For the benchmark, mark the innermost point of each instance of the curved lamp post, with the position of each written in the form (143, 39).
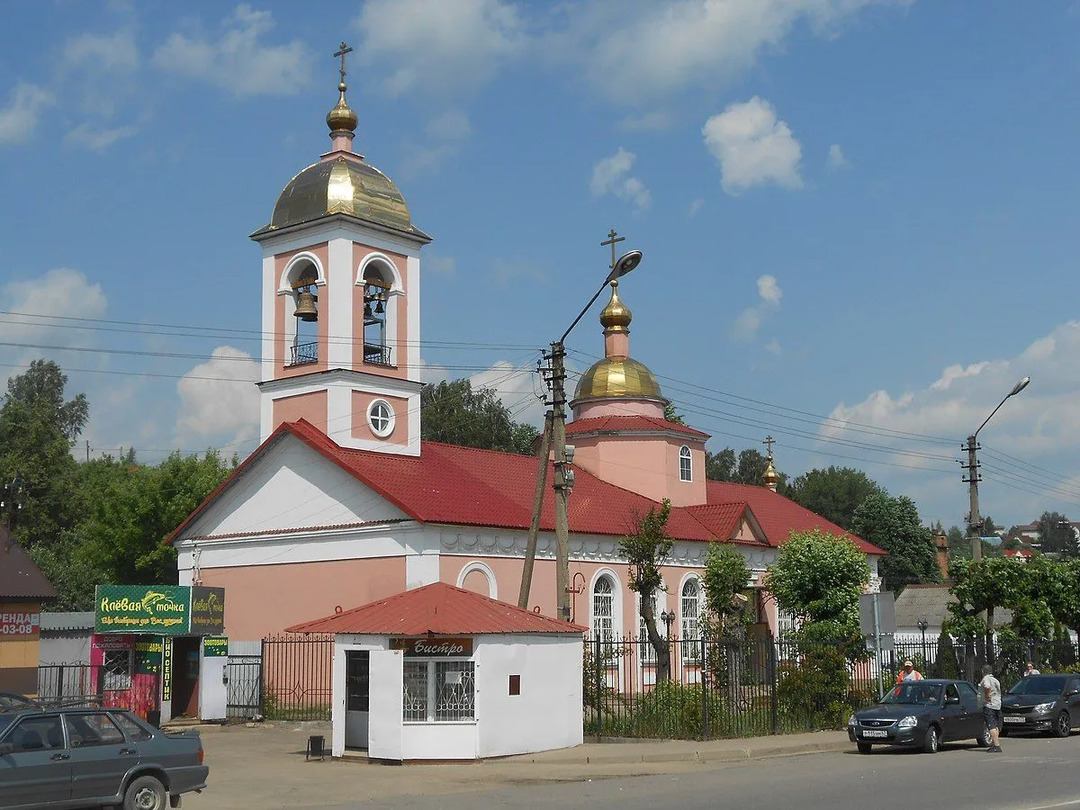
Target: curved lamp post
(974, 519)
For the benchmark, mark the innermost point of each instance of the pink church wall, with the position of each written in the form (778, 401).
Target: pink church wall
(361, 401)
(648, 466)
(311, 406)
(608, 407)
(399, 369)
(281, 261)
(264, 599)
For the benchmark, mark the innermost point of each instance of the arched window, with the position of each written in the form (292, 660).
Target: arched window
(690, 620)
(302, 333)
(685, 468)
(378, 282)
(603, 609)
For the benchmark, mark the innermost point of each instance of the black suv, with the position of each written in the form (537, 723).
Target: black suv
(1048, 703)
(75, 758)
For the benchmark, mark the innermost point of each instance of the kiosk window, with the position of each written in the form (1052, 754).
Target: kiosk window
(439, 691)
(116, 670)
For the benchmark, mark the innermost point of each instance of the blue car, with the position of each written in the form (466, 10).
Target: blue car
(77, 758)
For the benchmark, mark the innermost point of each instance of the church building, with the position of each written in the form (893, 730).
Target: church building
(342, 504)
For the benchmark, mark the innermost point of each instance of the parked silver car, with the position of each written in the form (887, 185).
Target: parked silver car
(76, 758)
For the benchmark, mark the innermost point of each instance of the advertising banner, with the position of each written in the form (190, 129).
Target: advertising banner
(215, 647)
(207, 611)
(20, 624)
(161, 610)
(434, 647)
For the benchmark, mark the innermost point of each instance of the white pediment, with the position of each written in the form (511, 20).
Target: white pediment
(291, 486)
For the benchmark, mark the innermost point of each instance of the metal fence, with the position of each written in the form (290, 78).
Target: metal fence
(69, 685)
(743, 687)
(296, 677)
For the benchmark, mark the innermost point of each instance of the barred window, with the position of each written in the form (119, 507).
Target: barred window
(690, 616)
(603, 611)
(439, 691)
(116, 670)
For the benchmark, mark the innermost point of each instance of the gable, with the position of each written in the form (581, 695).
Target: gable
(289, 486)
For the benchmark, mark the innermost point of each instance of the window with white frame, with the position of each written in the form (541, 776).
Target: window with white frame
(437, 691)
(603, 609)
(685, 467)
(381, 418)
(690, 620)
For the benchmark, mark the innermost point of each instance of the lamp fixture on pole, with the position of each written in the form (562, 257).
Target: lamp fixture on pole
(563, 475)
(974, 519)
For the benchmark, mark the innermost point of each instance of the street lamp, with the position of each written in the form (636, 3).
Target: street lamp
(667, 617)
(618, 268)
(922, 624)
(974, 520)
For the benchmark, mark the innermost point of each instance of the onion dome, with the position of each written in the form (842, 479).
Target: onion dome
(342, 118)
(615, 317)
(618, 377)
(772, 477)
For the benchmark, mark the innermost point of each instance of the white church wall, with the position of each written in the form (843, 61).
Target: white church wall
(547, 713)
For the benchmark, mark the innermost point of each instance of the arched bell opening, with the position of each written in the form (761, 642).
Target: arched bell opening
(379, 314)
(302, 315)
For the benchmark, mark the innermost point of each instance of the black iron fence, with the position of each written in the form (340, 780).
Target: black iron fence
(296, 677)
(244, 698)
(712, 688)
(69, 685)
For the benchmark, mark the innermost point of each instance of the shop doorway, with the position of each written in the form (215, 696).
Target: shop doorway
(185, 676)
(357, 697)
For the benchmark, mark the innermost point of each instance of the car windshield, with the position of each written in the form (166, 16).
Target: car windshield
(914, 693)
(1039, 685)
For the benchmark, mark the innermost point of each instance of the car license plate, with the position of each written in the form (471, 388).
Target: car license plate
(875, 733)
(1010, 718)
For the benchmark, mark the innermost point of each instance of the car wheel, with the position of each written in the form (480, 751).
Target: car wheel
(865, 748)
(1063, 725)
(984, 739)
(932, 740)
(146, 793)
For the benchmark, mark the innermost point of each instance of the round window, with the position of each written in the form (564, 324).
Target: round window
(381, 418)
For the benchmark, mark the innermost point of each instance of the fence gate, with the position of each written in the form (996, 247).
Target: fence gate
(245, 686)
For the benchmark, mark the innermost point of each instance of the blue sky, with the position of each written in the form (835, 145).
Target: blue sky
(857, 216)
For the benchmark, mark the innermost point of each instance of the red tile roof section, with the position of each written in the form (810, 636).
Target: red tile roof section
(721, 519)
(617, 424)
(470, 487)
(20, 578)
(437, 609)
(777, 515)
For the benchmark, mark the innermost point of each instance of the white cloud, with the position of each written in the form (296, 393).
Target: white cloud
(653, 121)
(611, 175)
(96, 138)
(440, 265)
(506, 272)
(753, 147)
(695, 206)
(219, 400)
(637, 51)
(19, 118)
(436, 47)
(115, 53)
(239, 60)
(836, 159)
(519, 389)
(749, 321)
(445, 134)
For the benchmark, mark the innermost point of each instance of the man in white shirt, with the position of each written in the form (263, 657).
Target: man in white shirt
(990, 699)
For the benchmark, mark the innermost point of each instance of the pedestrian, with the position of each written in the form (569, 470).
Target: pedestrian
(1031, 669)
(908, 673)
(990, 700)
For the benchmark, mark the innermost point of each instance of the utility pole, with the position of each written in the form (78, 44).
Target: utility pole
(974, 519)
(534, 524)
(558, 436)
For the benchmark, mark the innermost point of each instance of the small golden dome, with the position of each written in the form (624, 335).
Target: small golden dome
(341, 118)
(772, 477)
(615, 317)
(618, 377)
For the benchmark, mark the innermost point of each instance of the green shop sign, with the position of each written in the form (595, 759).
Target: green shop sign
(164, 610)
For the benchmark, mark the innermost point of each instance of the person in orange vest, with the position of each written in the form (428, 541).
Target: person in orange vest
(908, 673)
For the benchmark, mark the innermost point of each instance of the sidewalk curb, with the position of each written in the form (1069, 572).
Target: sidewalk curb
(624, 757)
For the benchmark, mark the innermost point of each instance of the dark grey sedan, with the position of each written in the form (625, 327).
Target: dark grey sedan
(74, 758)
(921, 714)
(1046, 703)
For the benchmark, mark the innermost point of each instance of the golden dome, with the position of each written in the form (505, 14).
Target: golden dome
(618, 377)
(772, 477)
(615, 317)
(341, 118)
(342, 186)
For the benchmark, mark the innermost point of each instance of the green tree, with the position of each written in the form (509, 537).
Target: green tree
(893, 524)
(455, 413)
(748, 467)
(818, 577)
(38, 428)
(725, 578)
(671, 415)
(834, 493)
(959, 544)
(646, 551)
(1055, 534)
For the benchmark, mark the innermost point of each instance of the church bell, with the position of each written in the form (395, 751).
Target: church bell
(305, 306)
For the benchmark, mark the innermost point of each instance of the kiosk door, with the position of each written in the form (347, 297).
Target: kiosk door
(213, 678)
(357, 681)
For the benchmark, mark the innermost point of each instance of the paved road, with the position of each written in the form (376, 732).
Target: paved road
(255, 770)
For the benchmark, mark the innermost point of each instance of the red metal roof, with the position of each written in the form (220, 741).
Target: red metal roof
(630, 424)
(723, 519)
(20, 578)
(470, 487)
(777, 515)
(437, 609)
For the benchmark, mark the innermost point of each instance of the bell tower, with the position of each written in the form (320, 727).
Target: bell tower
(341, 300)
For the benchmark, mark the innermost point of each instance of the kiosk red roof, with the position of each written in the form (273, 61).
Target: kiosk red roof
(437, 609)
